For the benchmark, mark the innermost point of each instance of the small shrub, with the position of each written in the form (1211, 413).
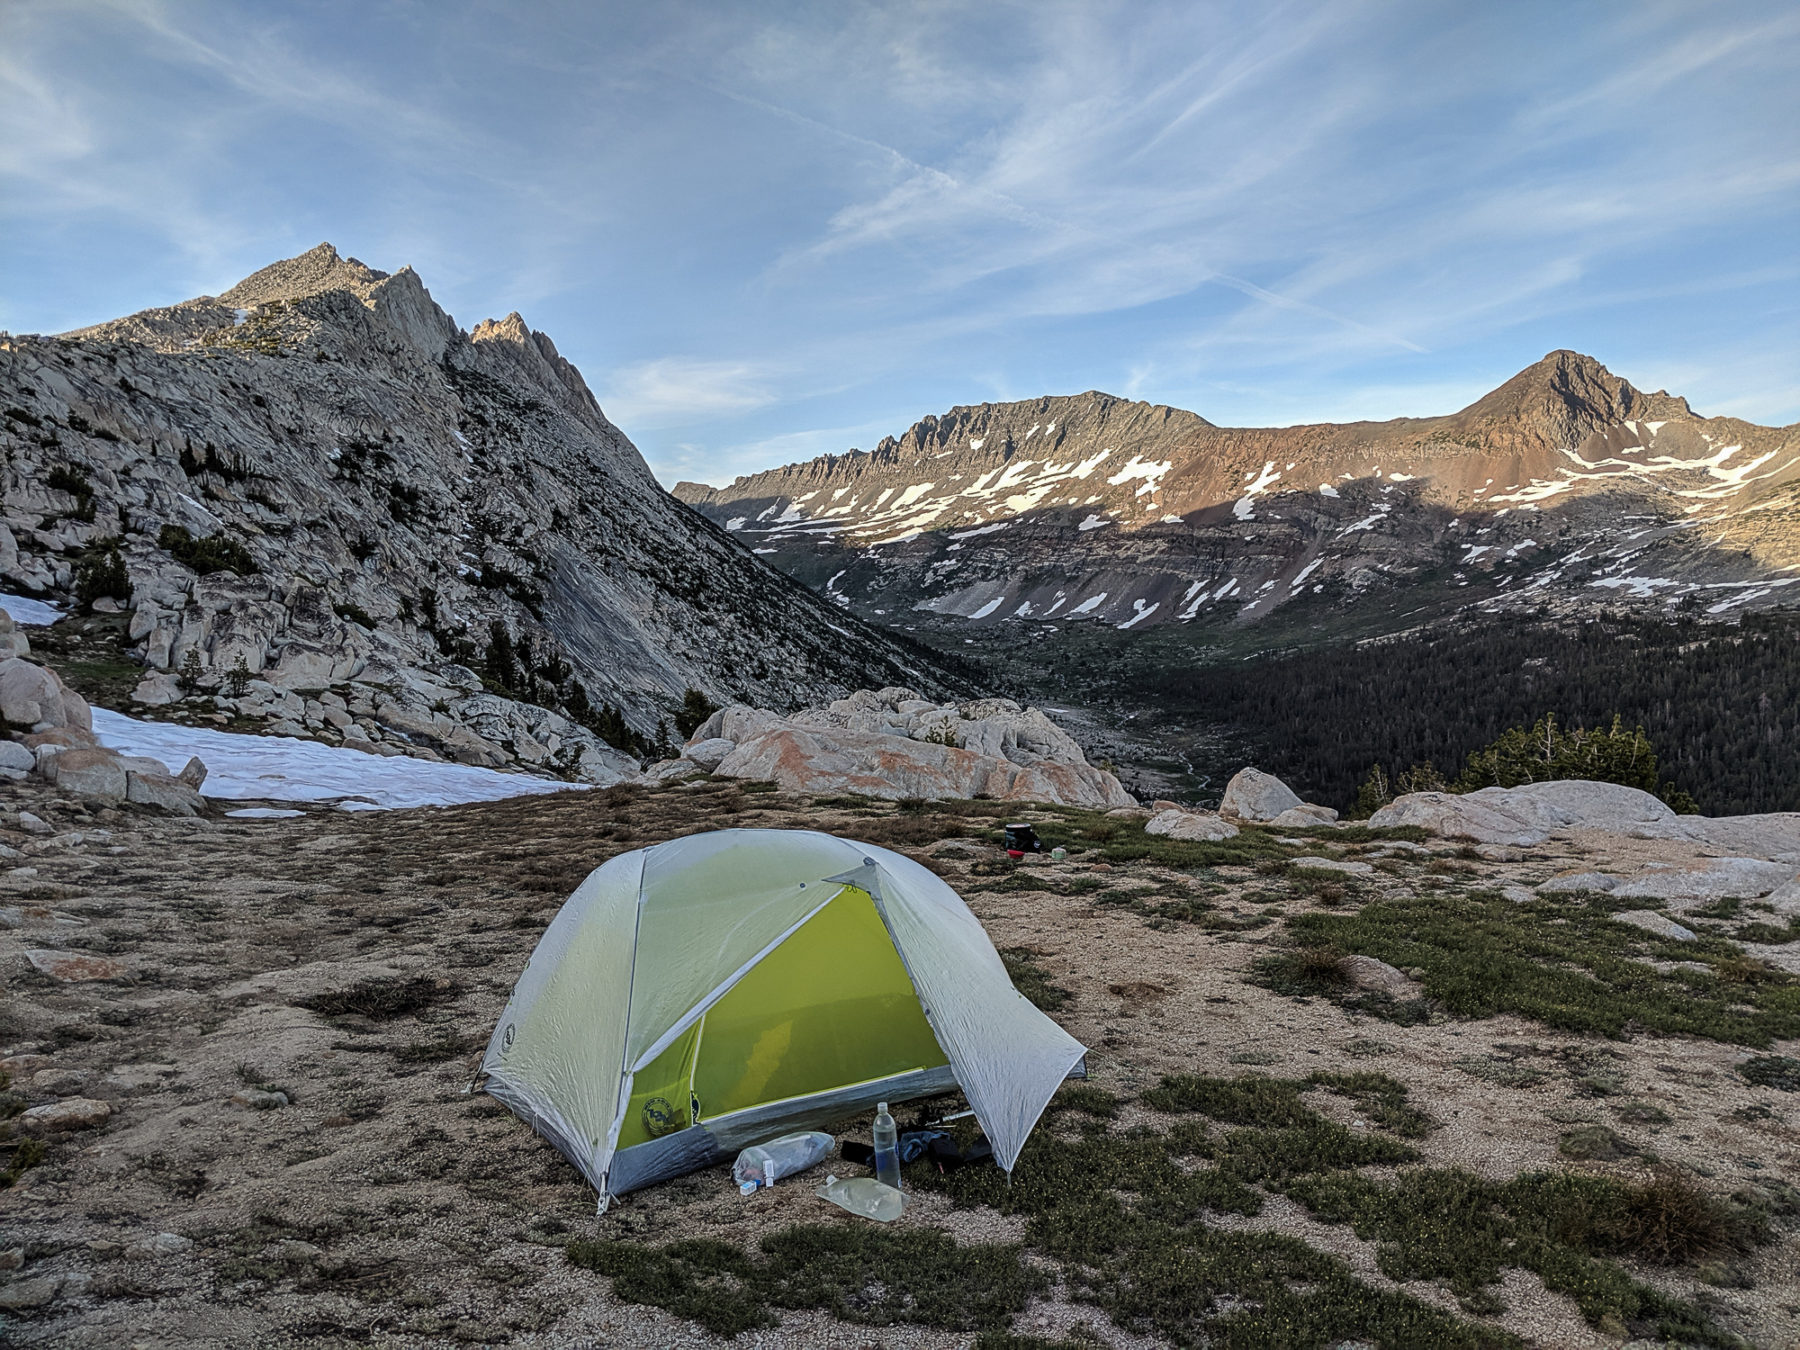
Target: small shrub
(383, 999)
(102, 575)
(1086, 1099)
(1670, 1221)
(64, 478)
(1545, 752)
(1251, 1100)
(215, 553)
(237, 679)
(188, 677)
(1774, 1071)
(1595, 1143)
(695, 708)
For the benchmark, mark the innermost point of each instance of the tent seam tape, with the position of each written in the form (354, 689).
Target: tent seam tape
(705, 1005)
(626, 1073)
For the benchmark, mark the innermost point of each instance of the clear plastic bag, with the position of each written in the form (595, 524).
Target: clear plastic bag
(864, 1197)
(765, 1164)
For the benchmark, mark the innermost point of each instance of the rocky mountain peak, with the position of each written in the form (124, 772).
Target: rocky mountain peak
(1560, 401)
(530, 356)
(313, 272)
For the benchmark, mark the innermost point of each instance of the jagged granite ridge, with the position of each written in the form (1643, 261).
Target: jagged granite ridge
(399, 486)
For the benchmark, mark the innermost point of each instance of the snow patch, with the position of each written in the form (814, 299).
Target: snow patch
(1149, 470)
(1306, 572)
(981, 529)
(286, 769)
(1144, 610)
(1093, 523)
(989, 607)
(1089, 605)
(1326, 490)
(29, 613)
(736, 522)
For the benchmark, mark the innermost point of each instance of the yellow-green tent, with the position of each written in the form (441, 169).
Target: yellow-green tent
(714, 991)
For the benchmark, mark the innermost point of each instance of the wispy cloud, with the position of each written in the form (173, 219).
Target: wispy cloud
(652, 393)
(743, 220)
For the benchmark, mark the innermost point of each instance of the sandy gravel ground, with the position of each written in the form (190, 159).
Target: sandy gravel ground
(384, 1205)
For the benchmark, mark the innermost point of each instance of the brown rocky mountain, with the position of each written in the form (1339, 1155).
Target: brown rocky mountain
(318, 478)
(1565, 484)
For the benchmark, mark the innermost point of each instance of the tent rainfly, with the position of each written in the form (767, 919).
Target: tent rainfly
(714, 991)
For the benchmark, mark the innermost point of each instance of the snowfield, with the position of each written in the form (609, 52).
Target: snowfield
(27, 612)
(282, 768)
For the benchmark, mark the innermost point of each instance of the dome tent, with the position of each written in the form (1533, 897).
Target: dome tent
(708, 993)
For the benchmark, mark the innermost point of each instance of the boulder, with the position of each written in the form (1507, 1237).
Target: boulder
(737, 723)
(21, 1295)
(12, 641)
(1719, 879)
(709, 754)
(259, 1099)
(60, 1082)
(96, 774)
(75, 967)
(15, 760)
(1377, 977)
(1652, 922)
(1189, 826)
(71, 1113)
(163, 792)
(1577, 881)
(60, 738)
(1349, 868)
(1257, 796)
(1774, 837)
(1305, 815)
(157, 689)
(30, 694)
(1785, 899)
(76, 714)
(193, 773)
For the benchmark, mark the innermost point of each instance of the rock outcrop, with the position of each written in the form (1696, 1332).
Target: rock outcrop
(56, 741)
(1526, 816)
(318, 499)
(893, 744)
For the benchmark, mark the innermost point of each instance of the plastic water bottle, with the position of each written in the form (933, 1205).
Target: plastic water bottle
(887, 1148)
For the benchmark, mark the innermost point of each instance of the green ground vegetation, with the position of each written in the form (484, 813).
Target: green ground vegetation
(1563, 961)
(1123, 1215)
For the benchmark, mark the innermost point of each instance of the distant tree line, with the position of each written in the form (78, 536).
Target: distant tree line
(1718, 703)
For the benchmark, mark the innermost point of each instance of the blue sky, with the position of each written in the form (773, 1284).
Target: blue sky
(768, 231)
